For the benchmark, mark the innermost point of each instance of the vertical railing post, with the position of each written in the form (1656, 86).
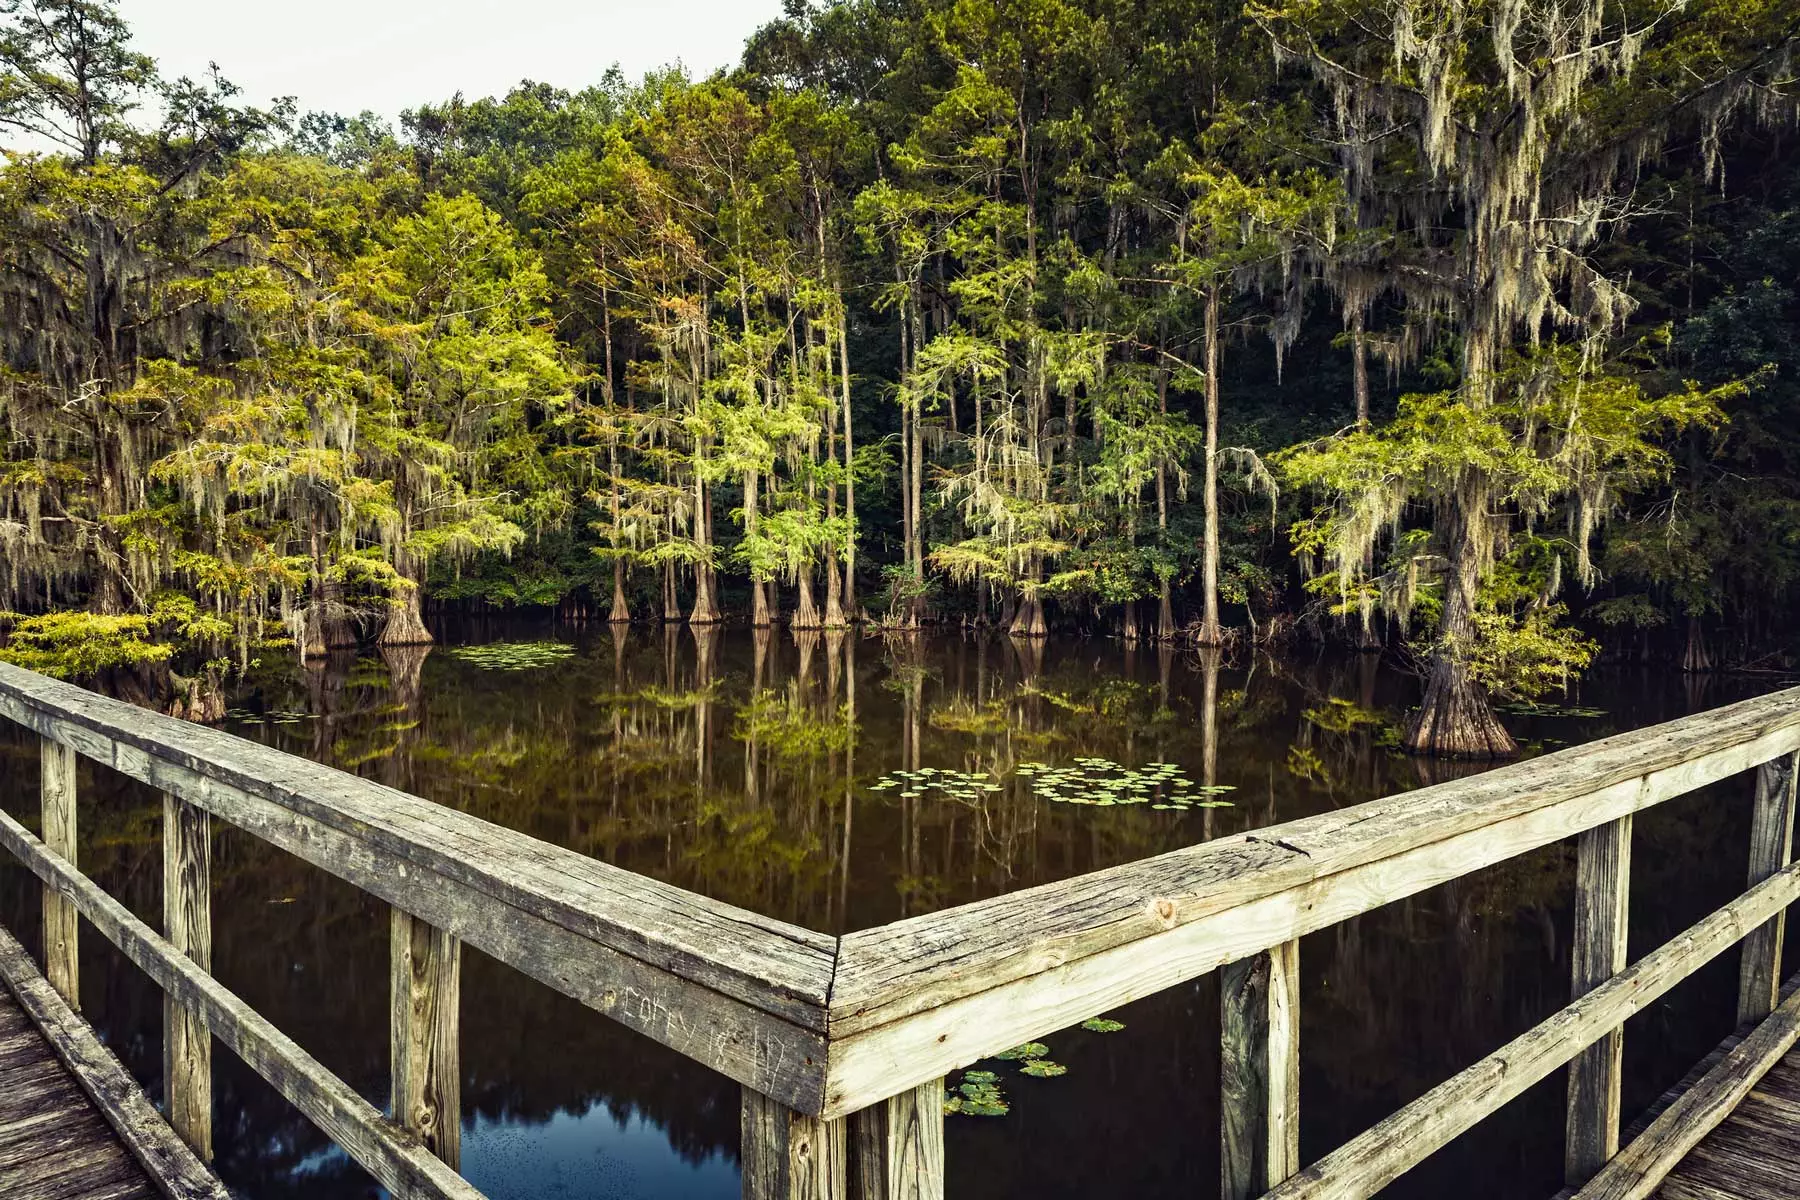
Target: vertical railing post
(425, 1057)
(897, 1147)
(788, 1155)
(61, 922)
(1602, 893)
(1771, 849)
(1259, 1069)
(187, 920)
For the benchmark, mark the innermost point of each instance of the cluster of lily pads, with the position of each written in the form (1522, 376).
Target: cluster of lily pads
(514, 656)
(1529, 708)
(1105, 783)
(931, 781)
(978, 1094)
(274, 716)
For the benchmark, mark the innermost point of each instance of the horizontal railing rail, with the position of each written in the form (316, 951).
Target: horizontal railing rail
(842, 1044)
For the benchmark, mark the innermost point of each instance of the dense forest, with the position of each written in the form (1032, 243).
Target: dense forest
(1461, 330)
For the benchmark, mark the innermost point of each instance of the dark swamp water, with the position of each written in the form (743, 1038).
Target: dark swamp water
(760, 770)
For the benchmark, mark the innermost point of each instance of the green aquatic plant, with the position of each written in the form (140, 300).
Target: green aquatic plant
(978, 1095)
(1105, 784)
(1343, 716)
(960, 786)
(1102, 1025)
(1529, 708)
(514, 656)
(1043, 1068)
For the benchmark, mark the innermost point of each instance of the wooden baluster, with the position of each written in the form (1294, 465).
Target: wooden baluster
(61, 922)
(1771, 848)
(790, 1156)
(425, 1052)
(187, 921)
(897, 1147)
(1602, 891)
(1259, 1069)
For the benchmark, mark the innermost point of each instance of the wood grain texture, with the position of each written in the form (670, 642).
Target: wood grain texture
(62, 928)
(1771, 848)
(1602, 902)
(763, 962)
(791, 1156)
(897, 1147)
(90, 1077)
(1642, 1166)
(741, 994)
(1259, 1071)
(919, 998)
(915, 964)
(1369, 1162)
(425, 994)
(187, 923)
(396, 1158)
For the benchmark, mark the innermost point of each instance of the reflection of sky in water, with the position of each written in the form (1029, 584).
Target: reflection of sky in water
(594, 1156)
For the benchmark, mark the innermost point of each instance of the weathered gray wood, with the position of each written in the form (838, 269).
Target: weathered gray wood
(1602, 899)
(426, 1065)
(1259, 1071)
(187, 922)
(396, 1158)
(747, 1044)
(791, 1156)
(1642, 1166)
(61, 926)
(174, 1169)
(1366, 1164)
(762, 962)
(1771, 848)
(897, 1147)
(739, 993)
(921, 997)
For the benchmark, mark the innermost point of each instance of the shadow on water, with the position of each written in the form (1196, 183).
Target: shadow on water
(842, 782)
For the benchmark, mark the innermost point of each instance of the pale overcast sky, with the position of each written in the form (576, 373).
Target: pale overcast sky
(385, 55)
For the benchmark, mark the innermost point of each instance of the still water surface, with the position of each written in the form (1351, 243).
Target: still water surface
(845, 782)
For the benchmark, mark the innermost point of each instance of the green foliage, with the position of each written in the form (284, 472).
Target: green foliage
(950, 299)
(78, 645)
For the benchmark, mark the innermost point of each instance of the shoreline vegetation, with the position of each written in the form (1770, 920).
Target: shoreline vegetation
(1461, 331)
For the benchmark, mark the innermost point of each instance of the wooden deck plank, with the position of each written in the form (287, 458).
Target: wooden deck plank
(53, 1143)
(1755, 1153)
(73, 1124)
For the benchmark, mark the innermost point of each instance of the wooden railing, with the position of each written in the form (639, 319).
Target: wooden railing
(842, 1044)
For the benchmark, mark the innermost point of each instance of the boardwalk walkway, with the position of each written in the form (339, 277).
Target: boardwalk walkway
(64, 1100)
(1755, 1154)
(53, 1141)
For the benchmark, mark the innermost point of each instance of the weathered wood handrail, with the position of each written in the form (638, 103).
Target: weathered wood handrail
(842, 1043)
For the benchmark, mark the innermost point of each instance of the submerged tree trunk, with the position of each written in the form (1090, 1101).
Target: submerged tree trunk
(1695, 659)
(671, 597)
(760, 617)
(706, 580)
(1210, 634)
(1455, 719)
(621, 610)
(834, 594)
(405, 625)
(806, 610)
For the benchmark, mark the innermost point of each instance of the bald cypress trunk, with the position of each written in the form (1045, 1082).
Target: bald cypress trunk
(1455, 719)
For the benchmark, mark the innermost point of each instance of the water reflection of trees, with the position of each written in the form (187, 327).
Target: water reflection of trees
(739, 765)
